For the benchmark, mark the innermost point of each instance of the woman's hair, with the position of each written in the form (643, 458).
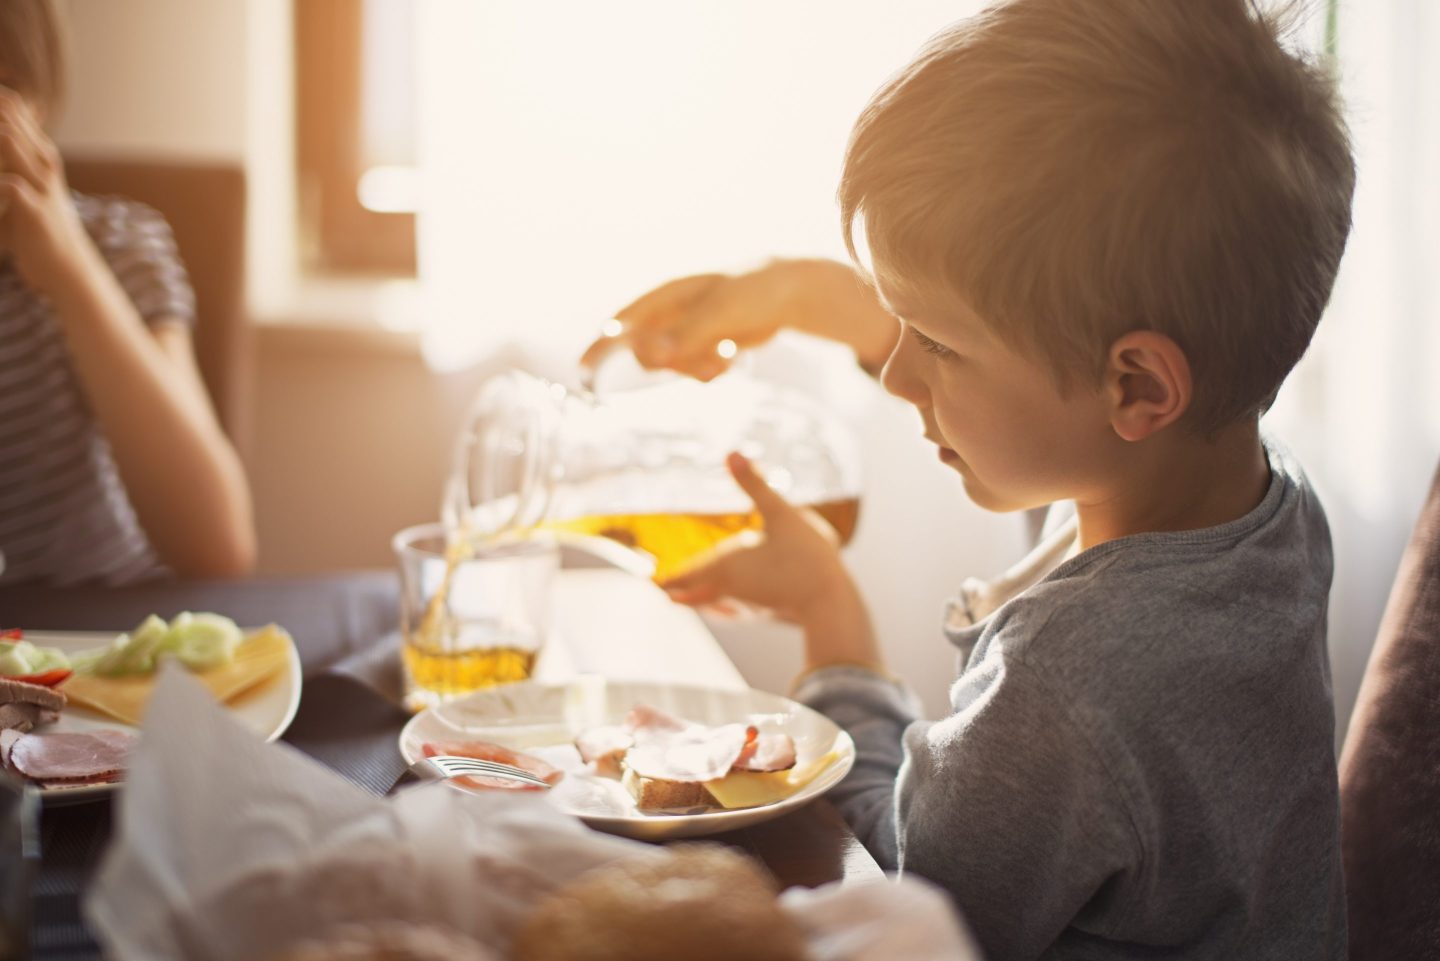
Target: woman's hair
(32, 52)
(1074, 170)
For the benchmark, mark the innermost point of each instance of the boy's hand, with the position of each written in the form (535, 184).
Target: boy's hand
(794, 569)
(680, 325)
(787, 568)
(39, 226)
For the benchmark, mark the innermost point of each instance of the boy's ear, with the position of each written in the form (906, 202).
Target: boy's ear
(1147, 383)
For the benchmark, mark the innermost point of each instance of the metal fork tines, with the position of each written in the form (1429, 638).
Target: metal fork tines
(443, 766)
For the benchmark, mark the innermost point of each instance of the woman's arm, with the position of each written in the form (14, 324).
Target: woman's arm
(679, 324)
(830, 299)
(182, 475)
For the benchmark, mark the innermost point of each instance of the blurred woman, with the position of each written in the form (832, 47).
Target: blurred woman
(113, 466)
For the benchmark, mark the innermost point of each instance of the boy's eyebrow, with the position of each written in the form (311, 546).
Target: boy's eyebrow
(905, 315)
(957, 333)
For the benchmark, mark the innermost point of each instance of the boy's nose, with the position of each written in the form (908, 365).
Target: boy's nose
(898, 376)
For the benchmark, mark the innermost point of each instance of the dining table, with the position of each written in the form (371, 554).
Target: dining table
(346, 630)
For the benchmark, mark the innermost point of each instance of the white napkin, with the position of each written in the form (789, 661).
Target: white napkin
(217, 831)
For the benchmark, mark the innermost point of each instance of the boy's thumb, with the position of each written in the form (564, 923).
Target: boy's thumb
(767, 501)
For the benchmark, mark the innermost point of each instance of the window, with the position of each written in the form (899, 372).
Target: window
(355, 139)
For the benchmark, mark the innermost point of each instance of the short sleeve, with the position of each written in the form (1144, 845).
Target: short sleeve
(137, 243)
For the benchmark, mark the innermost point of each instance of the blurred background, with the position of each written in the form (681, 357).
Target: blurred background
(426, 191)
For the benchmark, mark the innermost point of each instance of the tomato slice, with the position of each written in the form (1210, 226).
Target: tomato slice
(11, 634)
(44, 678)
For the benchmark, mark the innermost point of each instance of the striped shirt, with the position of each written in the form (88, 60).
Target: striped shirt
(64, 514)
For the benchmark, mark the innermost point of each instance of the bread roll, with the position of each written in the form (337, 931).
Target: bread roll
(388, 941)
(692, 902)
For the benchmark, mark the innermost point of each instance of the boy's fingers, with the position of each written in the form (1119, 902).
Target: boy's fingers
(692, 589)
(767, 501)
(693, 598)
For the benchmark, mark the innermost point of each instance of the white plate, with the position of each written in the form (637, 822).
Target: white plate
(543, 719)
(268, 711)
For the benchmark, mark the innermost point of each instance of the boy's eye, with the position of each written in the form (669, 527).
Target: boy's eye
(930, 346)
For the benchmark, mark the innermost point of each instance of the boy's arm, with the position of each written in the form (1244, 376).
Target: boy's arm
(679, 324)
(875, 711)
(1004, 803)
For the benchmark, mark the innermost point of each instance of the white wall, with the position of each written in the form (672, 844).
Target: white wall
(157, 77)
(202, 80)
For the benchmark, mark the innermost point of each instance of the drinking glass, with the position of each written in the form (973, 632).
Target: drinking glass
(474, 614)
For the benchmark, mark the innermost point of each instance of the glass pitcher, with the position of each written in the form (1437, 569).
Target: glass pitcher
(638, 475)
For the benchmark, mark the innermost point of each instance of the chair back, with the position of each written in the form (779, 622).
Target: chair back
(205, 205)
(1390, 767)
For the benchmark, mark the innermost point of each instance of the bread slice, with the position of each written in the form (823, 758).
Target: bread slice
(653, 795)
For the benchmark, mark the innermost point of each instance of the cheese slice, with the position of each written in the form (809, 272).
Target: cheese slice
(750, 789)
(263, 655)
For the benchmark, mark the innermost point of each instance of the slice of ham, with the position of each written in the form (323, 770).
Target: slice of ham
(8, 737)
(91, 757)
(694, 753)
(661, 746)
(26, 717)
(13, 691)
(644, 720)
(605, 747)
(486, 751)
(767, 752)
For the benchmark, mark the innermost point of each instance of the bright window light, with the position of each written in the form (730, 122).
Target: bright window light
(389, 190)
(567, 171)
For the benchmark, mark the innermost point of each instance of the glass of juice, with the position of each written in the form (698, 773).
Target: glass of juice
(474, 614)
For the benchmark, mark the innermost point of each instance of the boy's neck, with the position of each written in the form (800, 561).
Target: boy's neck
(1179, 483)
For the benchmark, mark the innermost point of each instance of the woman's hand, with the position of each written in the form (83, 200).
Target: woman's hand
(793, 568)
(39, 226)
(681, 325)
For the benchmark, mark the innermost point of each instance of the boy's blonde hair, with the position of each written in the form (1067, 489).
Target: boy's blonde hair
(1076, 170)
(32, 52)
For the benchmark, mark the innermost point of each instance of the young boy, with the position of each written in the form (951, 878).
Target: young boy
(1108, 231)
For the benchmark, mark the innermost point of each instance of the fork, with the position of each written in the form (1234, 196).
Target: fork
(444, 766)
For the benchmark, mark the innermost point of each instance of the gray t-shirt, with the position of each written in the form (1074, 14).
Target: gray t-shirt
(1140, 759)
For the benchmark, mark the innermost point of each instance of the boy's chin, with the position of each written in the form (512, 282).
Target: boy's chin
(986, 498)
(981, 494)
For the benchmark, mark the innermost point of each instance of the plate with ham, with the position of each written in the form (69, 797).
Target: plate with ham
(77, 742)
(643, 759)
